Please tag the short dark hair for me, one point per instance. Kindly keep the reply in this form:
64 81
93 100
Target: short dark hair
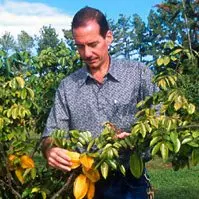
88 14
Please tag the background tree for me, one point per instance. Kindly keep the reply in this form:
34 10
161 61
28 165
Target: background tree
122 43
174 20
139 37
7 42
24 41
47 38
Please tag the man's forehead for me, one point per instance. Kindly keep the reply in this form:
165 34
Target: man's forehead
88 27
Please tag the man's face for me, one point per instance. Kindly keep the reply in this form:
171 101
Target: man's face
92 47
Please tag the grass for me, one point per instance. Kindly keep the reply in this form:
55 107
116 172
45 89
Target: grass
170 184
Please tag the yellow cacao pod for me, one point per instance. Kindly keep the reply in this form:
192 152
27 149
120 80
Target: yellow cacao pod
86 161
74 159
92 174
26 162
80 187
91 190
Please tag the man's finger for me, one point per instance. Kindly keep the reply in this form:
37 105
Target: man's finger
123 135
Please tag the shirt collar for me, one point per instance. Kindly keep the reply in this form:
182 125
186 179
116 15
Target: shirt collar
115 71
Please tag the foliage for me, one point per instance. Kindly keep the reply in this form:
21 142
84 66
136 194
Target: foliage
22 115
173 131
94 155
16 129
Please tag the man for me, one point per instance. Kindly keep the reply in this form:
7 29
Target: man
104 90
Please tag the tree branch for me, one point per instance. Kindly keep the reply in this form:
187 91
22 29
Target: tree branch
10 187
65 186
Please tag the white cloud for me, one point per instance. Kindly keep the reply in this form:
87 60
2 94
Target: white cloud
30 17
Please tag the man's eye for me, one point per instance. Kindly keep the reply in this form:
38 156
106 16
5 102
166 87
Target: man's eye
93 45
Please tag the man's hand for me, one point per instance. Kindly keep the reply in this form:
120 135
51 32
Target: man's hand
122 135
55 156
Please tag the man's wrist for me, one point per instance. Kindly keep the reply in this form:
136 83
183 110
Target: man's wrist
46 144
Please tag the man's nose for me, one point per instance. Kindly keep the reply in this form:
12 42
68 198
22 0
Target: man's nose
87 52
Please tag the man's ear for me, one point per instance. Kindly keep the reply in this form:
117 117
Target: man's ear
109 37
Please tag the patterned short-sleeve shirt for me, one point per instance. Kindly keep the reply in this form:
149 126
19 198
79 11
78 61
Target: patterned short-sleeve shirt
82 103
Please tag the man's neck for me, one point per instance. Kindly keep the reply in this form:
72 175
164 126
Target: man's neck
100 72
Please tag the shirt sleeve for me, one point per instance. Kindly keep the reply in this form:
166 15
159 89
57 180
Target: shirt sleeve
59 114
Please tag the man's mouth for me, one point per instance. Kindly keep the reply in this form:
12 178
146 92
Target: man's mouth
90 60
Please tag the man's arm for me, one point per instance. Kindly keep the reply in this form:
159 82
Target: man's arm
57 119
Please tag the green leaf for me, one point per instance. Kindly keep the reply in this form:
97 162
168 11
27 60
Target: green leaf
160 61
195 157
177 105
191 109
164 151
1 123
177 145
33 173
43 194
136 165
104 169
140 104
156 148
176 51
23 94
173 58
169 44
123 170
166 60
35 189
173 136
153 122
20 81
143 130
112 164
31 93
169 123
169 145
26 172
172 96
13 83
91 143
186 140
193 144
162 84
172 80
155 140
195 134
14 112
176 141
135 129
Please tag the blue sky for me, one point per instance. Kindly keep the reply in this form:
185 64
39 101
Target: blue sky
112 8
31 15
